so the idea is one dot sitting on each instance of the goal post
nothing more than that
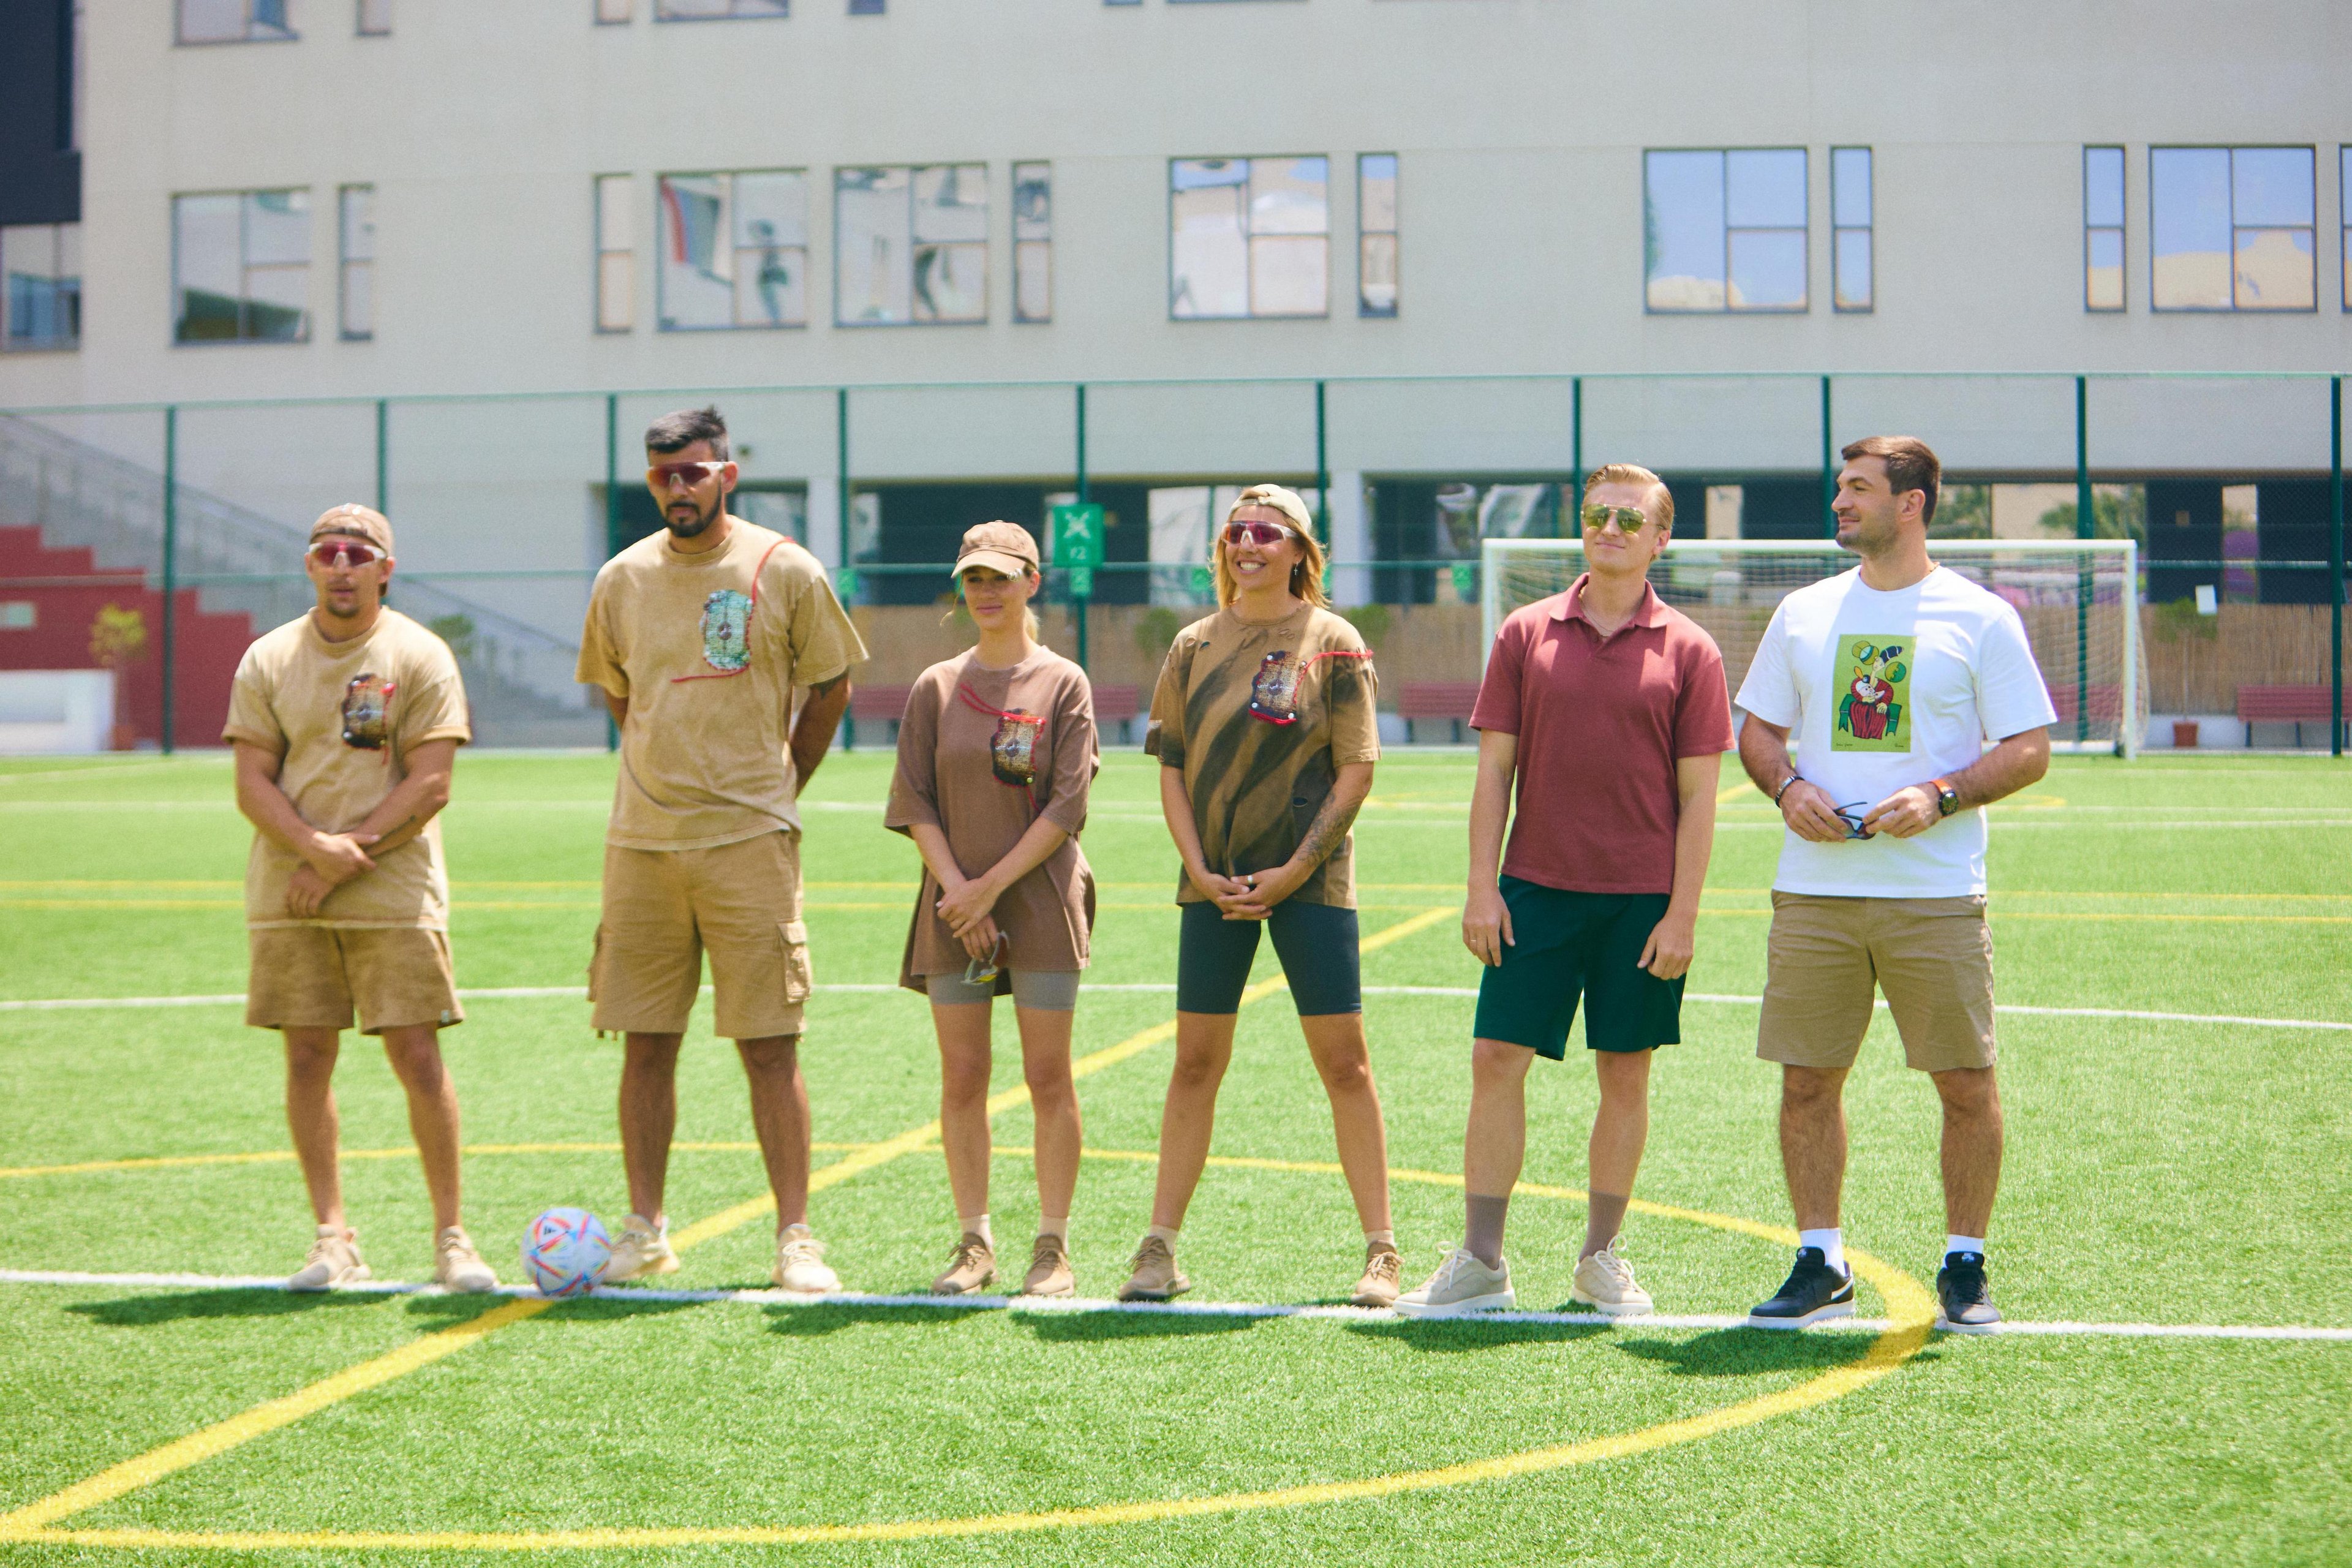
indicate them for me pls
(2079, 600)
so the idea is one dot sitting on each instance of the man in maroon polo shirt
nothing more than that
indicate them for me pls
(1609, 709)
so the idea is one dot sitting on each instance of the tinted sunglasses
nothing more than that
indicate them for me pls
(330, 554)
(693, 474)
(984, 971)
(1629, 519)
(1852, 814)
(1261, 534)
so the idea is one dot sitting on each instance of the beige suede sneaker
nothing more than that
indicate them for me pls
(1383, 1275)
(334, 1260)
(1605, 1281)
(1154, 1277)
(1049, 1270)
(1462, 1284)
(644, 1249)
(458, 1267)
(800, 1263)
(973, 1268)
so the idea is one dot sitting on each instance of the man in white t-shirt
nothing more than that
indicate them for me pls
(1892, 677)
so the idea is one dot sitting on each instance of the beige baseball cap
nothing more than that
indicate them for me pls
(355, 521)
(1005, 547)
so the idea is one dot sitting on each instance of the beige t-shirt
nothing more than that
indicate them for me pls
(342, 719)
(707, 650)
(1260, 719)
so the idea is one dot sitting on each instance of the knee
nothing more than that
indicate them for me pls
(1968, 1093)
(310, 1061)
(649, 1053)
(1808, 1091)
(1198, 1068)
(1498, 1064)
(963, 1083)
(1624, 1078)
(416, 1063)
(1346, 1071)
(778, 1056)
(1049, 1082)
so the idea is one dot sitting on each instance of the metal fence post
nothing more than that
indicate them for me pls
(1322, 468)
(1083, 603)
(612, 520)
(1829, 472)
(171, 568)
(841, 525)
(2086, 527)
(382, 456)
(1576, 450)
(2335, 559)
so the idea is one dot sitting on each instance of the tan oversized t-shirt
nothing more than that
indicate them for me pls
(983, 754)
(342, 719)
(1260, 719)
(707, 658)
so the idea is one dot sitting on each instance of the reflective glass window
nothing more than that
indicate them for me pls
(2344, 210)
(1376, 241)
(2233, 229)
(40, 286)
(1725, 229)
(232, 21)
(910, 244)
(355, 290)
(1852, 287)
(711, 10)
(612, 13)
(1248, 238)
(733, 250)
(1033, 242)
(241, 266)
(617, 254)
(374, 18)
(2103, 228)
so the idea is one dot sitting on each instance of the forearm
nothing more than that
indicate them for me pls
(1764, 752)
(812, 731)
(1176, 809)
(1035, 847)
(931, 843)
(1332, 819)
(2015, 763)
(1490, 811)
(266, 807)
(1694, 844)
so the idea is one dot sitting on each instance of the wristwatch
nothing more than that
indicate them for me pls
(1948, 799)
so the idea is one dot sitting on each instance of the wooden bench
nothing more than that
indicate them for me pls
(1451, 701)
(1118, 705)
(881, 706)
(2295, 705)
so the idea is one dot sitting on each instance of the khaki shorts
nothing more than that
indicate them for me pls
(1933, 957)
(664, 907)
(311, 978)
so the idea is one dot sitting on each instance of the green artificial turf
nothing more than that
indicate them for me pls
(2158, 1172)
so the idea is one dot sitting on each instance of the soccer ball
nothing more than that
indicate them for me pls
(565, 1252)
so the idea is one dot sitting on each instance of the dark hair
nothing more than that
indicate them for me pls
(677, 432)
(1911, 465)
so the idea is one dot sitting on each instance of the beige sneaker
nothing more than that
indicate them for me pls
(1155, 1276)
(1605, 1280)
(800, 1263)
(1049, 1270)
(644, 1249)
(334, 1260)
(1462, 1284)
(1383, 1275)
(457, 1267)
(972, 1267)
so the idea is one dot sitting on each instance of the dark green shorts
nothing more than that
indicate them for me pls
(1567, 945)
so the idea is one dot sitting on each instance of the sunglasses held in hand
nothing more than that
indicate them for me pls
(984, 971)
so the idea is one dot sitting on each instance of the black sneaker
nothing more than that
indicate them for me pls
(1814, 1292)
(1966, 1301)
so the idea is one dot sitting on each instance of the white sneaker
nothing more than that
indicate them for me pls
(458, 1267)
(1605, 1280)
(800, 1263)
(1462, 1284)
(334, 1260)
(643, 1249)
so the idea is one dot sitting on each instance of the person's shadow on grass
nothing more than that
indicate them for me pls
(146, 1311)
(1456, 1335)
(1747, 1353)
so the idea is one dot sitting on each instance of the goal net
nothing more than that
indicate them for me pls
(2079, 601)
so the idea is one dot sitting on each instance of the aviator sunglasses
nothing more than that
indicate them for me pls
(330, 554)
(693, 474)
(1629, 519)
(1262, 534)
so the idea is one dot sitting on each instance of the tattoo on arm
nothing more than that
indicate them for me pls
(1328, 828)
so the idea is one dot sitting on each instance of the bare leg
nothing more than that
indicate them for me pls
(964, 1057)
(1620, 1127)
(1813, 1141)
(648, 1117)
(1496, 1144)
(1971, 1147)
(779, 1114)
(416, 1056)
(1053, 1105)
(1336, 1041)
(310, 1115)
(1204, 1047)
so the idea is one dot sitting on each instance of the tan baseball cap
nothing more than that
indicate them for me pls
(355, 521)
(1005, 547)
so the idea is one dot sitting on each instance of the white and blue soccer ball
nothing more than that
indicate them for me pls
(565, 1252)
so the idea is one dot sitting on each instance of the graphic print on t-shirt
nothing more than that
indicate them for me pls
(1873, 711)
(1012, 749)
(366, 702)
(727, 630)
(1273, 695)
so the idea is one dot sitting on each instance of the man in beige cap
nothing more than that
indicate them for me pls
(700, 636)
(346, 722)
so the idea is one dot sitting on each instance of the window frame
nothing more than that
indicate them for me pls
(1044, 241)
(1806, 231)
(986, 243)
(1248, 270)
(56, 276)
(2232, 149)
(180, 40)
(605, 13)
(661, 183)
(1393, 234)
(1868, 230)
(2120, 229)
(600, 249)
(781, 14)
(245, 266)
(2343, 222)
(345, 261)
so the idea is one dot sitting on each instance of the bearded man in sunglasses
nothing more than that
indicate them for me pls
(1608, 710)
(1892, 678)
(701, 636)
(346, 724)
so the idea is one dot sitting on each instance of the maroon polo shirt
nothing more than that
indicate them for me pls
(1602, 722)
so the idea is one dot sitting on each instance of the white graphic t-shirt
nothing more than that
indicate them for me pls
(1881, 691)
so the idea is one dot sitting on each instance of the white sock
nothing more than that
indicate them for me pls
(1059, 1228)
(1965, 1244)
(976, 1225)
(1831, 1241)
(1379, 1238)
(1166, 1233)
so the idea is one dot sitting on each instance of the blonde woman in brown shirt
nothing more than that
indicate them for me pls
(996, 753)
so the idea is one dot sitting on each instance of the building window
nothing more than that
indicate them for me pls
(42, 266)
(355, 290)
(1851, 285)
(734, 250)
(241, 266)
(616, 255)
(1376, 233)
(866, 7)
(713, 10)
(1033, 242)
(614, 12)
(1724, 229)
(910, 244)
(1248, 238)
(375, 18)
(2103, 228)
(2344, 210)
(232, 21)
(2231, 228)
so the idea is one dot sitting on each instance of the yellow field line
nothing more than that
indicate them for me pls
(29, 1522)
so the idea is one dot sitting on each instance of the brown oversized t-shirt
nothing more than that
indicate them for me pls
(341, 717)
(983, 754)
(707, 649)
(1602, 724)
(1260, 719)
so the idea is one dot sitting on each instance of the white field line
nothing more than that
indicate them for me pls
(1043, 1307)
(79, 1003)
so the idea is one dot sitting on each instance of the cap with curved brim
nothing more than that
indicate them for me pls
(995, 561)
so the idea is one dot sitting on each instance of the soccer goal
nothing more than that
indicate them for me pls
(2079, 600)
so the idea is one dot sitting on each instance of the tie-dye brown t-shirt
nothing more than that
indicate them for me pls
(1259, 719)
